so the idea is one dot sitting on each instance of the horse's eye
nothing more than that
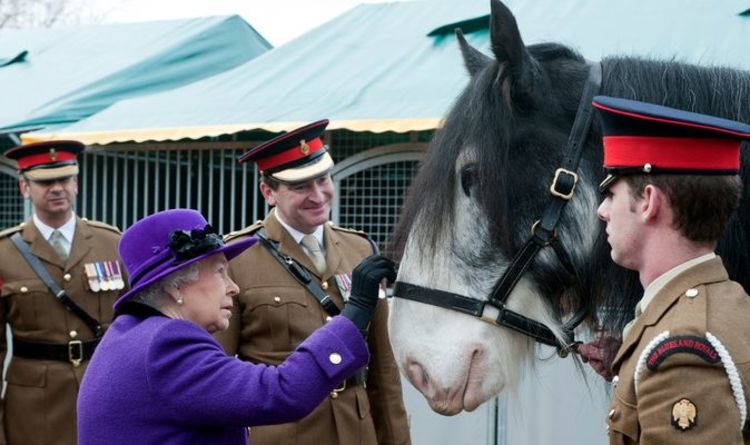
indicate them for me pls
(468, 178)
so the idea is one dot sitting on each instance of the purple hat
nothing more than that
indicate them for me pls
(166, 242)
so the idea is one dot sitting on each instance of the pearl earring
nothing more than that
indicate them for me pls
(180, 301)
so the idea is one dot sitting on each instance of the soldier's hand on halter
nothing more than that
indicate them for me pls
(366, 279)
(600, 353)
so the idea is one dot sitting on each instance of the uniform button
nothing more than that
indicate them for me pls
(73, 334)
(691, 293)
(334, 358)
(328, 318)
(67, 277)
(277, 299)
(324, 285)
(24, 289)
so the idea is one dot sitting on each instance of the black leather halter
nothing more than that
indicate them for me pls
(543, 234)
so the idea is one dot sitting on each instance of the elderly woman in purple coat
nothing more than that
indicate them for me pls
(159, 377)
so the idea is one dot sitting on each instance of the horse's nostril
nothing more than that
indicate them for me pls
(418, 376)
(476, 362)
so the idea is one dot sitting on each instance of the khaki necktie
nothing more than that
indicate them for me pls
(313, 251)
(55, 240)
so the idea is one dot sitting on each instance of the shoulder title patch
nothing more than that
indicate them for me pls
(689, 344)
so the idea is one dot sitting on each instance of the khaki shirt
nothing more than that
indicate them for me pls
(39, 406)
(274, 314)
(673, 369)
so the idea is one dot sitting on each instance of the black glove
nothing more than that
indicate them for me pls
(366, 279)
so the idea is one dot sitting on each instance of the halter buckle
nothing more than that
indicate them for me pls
(562, 194)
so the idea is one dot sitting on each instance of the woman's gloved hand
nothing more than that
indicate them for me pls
(366, 279)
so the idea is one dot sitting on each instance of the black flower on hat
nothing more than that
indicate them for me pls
(188, 244)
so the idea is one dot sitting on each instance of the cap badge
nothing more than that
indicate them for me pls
(684, 415)
(52, 154)
(303, 147)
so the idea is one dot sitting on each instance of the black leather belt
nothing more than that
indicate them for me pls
(74, 351)
(359, 378)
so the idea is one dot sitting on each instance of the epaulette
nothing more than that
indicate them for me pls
(11, 230)
(344, 229)
(249, 230)
(356, 232)
(101, 225)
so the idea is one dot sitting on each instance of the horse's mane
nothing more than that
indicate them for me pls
(503, 133)
(719, 91)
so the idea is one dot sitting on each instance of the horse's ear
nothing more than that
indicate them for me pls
(508, 46)
(473, 59)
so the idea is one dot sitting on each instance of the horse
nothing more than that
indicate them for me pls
(498, 240)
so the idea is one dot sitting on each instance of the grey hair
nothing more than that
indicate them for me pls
(156, 293)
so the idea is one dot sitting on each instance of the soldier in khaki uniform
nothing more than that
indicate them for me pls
(51, 343)
(683, 370)
(275, 313)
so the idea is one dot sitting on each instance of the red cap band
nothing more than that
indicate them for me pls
(45, 158)
(291, 155)
(672, 152)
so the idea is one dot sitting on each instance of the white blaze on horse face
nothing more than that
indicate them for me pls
(458, 361)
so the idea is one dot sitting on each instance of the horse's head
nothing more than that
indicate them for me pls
(483, 184)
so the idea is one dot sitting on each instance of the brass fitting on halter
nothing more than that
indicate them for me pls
(564, 351)
(543, 242)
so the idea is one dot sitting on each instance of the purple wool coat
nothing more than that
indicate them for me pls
(155, 380)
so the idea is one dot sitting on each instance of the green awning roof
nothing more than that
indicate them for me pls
(60, 76)
(397, 66)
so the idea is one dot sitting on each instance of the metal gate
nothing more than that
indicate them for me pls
(371, 187)
(11, 201)
(121, 186)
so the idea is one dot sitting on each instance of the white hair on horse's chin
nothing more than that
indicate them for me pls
(529, 302)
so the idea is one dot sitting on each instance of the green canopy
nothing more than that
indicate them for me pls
(397, 66)
(60, 76)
